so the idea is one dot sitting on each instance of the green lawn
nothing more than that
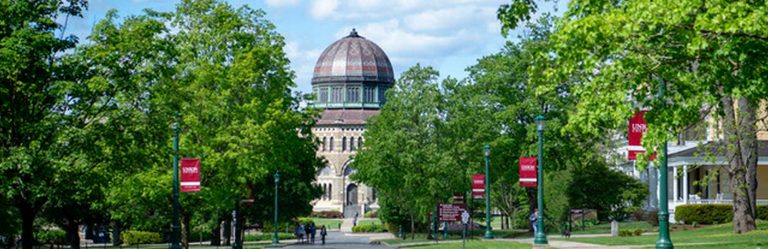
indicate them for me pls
(329, 223)
(606, 227)
(717, 236)
(476, 244)
(369, 222)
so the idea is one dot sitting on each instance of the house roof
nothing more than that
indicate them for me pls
(717, 149)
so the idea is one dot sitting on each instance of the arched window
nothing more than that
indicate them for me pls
(344, 144)
(359, 142)
(323, 143)
(325, 191)
(330, 146)
(330, 190)
(351, 143)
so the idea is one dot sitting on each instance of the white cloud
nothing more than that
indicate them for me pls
(321, 9)
(281, 3)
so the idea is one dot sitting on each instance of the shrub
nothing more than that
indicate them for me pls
(638, 232)
(56, 237)
(267, 236)
(373, 228)
(283, 227)
(305, 220)
(762, 212)
(625, 232)
(372, 214)
(704, 213)
(328, 214)
(131, 237)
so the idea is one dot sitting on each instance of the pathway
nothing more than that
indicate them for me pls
(340, 240)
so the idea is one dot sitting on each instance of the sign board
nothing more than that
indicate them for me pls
(528, 172)
(478, 186)
(464, 217)
(190, 175)
(451, 212)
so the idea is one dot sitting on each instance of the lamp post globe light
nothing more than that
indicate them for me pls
(488, 233)
(540, 238)
(275, 225)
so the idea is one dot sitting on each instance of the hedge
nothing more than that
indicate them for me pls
(268, 236)
(328, 214)
(131, 237)
(57, 237)
(373, 228)
(712, 213)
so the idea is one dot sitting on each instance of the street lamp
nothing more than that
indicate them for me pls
(488, 233)
(277, 180)
(664, 240)
(540, 238)
(175, 231)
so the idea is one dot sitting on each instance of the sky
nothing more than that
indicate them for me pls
(449, 35)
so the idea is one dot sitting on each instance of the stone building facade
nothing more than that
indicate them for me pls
(349, 81)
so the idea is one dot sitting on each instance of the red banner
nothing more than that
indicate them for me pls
(190, 175)
(451, 212)
(528, 172)
(637, 127)
(478, 186)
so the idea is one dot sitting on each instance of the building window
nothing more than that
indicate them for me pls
(368, 94)
(353, 95)
(330, 190)
(359, 142)
(344, 144)
(323, 95)
(337, 95)
(323, 143)
(330, 145)
(351, 143)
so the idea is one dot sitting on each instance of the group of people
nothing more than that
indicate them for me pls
(306, 233)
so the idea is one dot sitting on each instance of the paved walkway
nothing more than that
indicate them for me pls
(340, 240)
(346, 225)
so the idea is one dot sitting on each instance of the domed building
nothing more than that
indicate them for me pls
(349, 81)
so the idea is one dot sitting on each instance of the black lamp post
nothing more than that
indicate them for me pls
(175, 231)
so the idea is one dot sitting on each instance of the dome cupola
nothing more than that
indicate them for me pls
(352, 73)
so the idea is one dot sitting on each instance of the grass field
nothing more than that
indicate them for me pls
(329, 223)
(716, 236)
(369, 222)
(476, 244)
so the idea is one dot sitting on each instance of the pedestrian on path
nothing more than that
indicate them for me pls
(323, 233)
(312, 231)
(533, 218)
(354, 221)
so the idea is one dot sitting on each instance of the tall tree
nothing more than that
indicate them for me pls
(33, 106)
(705, 54)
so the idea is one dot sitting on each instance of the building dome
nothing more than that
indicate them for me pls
(353, 72)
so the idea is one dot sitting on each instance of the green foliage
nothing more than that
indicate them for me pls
(269, 228)
(133, 237)
(704, 213)
(54, 236)
(762, 212)
(372, 214)
(613, 194)
(630, 232)
(556, 203)
(370, 228)
(327, 214)
(268, 236)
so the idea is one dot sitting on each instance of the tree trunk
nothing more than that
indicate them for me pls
(741, 154)
(184, 229)
(532, 204)
(413, 228)
(227, 231)
(72, 236)
(27, 224)
(216, 234)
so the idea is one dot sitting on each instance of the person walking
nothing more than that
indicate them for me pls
(323, 233)
(354, 221)
(533, 218)
(312, 231)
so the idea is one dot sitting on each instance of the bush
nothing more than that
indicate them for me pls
(283, 227)
(328, 214)
(638, 232)
(762, 212)
(267, 236)
(372, 214)
(56, 237)
(373, 228)
(195, 235)
(625, 232)
(704, 213)
(305, 220)
(131, 237)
